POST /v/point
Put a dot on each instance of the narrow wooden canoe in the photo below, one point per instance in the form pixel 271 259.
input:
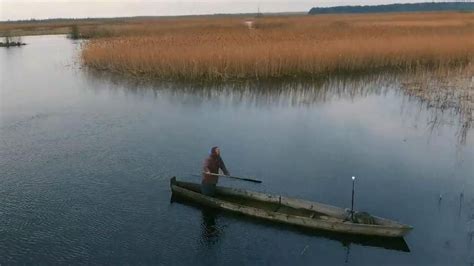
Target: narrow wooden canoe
pixel 288 210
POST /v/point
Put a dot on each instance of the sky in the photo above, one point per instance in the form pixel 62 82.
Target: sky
pixel 43 9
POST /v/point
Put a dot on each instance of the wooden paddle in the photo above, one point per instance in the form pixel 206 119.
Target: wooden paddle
pixel 236 177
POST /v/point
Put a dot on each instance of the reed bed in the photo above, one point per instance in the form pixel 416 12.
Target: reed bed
pixel 222 48
pixel 445 91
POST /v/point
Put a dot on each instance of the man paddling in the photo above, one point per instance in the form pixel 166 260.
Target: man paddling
pixel 211 166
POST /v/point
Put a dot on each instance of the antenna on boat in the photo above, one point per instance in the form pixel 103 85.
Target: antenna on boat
pixel 352 205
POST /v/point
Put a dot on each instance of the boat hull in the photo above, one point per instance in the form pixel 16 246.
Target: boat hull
pixel 328 217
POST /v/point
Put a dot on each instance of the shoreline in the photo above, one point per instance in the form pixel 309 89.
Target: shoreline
pixel 308 78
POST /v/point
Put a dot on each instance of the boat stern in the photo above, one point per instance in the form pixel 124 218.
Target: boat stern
pixel 172 181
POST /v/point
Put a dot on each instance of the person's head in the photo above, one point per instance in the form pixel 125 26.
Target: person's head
pixel 215 151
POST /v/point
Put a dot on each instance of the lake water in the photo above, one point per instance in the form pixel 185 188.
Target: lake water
pixel 85 162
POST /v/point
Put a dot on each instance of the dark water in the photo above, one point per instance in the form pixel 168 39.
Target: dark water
pixel 85 163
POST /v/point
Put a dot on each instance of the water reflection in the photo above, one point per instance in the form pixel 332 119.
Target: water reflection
pixel 348 251
pixel 448 99
pixel 445 92
pixel 264 94
pixel 210 230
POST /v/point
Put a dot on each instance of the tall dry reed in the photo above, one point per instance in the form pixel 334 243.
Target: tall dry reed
pixel 282 47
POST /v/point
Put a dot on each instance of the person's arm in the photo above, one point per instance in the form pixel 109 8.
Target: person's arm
pixel 222 166
pixel 205 167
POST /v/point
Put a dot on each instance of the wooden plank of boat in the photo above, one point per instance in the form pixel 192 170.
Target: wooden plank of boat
pixel 288 210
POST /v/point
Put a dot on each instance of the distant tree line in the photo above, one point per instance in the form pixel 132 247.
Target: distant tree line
pixel 416 7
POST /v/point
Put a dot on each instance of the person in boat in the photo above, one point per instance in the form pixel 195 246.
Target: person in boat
pixel 211 165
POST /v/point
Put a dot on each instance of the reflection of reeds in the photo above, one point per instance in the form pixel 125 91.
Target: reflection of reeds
pixel 277 47
pixel 448 96
pixel 262 93
pixel 443 91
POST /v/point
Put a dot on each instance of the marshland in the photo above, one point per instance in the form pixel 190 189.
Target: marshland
pixel 293 47
pixel 94 122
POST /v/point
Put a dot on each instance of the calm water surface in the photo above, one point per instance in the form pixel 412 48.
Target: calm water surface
pixel 85 162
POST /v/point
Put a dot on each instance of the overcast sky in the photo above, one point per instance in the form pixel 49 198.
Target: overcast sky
pixel 41 9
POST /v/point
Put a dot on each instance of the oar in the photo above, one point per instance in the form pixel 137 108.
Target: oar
pixel 236 177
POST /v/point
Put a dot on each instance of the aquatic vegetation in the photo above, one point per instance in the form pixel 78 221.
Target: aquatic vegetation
pixel 446 91
pixel 277 47
pixel 10 41
pixel 74 34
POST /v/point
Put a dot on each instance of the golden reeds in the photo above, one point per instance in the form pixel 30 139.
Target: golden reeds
pixel 282 47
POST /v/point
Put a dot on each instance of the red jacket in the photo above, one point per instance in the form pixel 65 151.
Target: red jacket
pixel 212 165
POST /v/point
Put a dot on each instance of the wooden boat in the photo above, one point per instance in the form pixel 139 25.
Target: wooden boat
pixel 289 210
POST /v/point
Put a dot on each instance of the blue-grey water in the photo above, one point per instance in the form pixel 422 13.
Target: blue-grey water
pixel 85 162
